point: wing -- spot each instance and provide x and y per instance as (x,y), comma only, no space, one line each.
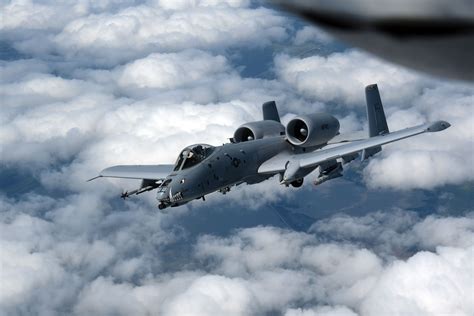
(149,172)
(348,137)
(312,159)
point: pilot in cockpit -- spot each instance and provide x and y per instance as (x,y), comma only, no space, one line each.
(192,155)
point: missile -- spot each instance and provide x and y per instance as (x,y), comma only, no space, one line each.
(329,174)
(325,178)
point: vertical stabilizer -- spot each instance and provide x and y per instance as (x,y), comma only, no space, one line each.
(375,113)
(376,117)
(270,111)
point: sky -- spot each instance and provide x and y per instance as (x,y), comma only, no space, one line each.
(89,84)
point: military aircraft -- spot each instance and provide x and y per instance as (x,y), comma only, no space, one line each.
(262,149)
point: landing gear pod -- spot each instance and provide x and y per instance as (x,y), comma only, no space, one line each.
(297,183)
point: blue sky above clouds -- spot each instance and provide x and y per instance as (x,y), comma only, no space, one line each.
(89,84)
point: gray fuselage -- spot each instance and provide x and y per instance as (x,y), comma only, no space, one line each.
(228,165)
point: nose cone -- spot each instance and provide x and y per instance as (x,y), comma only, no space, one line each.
(162,194)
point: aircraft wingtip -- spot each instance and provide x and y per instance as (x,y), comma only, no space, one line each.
(94,178)
(438,126)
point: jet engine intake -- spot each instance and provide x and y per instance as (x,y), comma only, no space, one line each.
(312,130)
(257,130)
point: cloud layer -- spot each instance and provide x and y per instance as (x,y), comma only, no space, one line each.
(115,32)
(253,271)
(89,84)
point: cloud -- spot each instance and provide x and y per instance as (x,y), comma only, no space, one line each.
(169,71)
(212,295)
(195,27)
(103,297)
(113,32)
(389,233)
(311,34)
(52,248)
(276,269)
(114,259)
(456,231)
(267,251)
(341,77)
(321,311)
(429,170)
(427,283)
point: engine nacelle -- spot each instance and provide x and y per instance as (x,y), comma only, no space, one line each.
(312,130)
(257,130)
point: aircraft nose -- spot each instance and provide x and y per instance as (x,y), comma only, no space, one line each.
(171,191)
(189,187)
(162,195)
(179,190)
(175,194)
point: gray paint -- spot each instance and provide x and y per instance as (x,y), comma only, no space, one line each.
(265,154)
(318,129)
(270,112)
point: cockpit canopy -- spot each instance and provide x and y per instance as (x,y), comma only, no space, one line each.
(192,155)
